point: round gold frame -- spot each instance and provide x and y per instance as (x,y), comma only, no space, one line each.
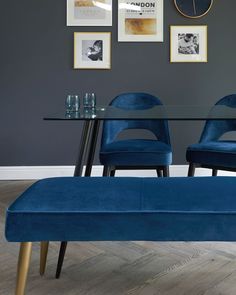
(193,16)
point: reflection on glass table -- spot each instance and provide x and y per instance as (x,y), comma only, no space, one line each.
(170,112)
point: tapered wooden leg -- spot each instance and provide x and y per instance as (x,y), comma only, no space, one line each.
(166,172)
(61,259)
(214,172)
(191,170)
(43,257)
(23,267)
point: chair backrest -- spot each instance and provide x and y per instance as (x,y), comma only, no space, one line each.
(135,101)
(214,129)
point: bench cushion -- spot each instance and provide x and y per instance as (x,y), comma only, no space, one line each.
(125,208)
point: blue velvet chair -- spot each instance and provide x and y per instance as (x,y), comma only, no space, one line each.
(135,153)
(212,152)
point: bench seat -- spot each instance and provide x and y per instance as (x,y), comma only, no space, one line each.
(125,208)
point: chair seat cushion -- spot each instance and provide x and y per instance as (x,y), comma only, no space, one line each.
(125,208)
(136,152)
(214,153)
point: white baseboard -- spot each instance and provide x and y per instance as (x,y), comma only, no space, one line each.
(39,172)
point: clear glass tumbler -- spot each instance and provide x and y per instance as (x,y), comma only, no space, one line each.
(72,103)
(89,101)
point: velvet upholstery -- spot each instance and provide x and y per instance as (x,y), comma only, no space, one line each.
(213,153)
(138,152)
(211,150)
(125,208)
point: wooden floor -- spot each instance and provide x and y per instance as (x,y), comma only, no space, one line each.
(107,268)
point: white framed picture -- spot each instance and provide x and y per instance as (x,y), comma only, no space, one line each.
(188,44)
(92,50)
(140,21)
(89,12)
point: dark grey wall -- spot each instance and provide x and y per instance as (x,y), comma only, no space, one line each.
(36,74)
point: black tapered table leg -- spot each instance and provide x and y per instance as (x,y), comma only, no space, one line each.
(92,148)
(83,148)
(84,143)
(88,143)
(61,258)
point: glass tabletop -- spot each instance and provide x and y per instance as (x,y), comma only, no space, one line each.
(169,112)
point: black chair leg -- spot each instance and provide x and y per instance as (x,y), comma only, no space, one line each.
(159,173)
(61,259)
(166,172)
(106,171)
(191,170)
(112,172)
(214,172)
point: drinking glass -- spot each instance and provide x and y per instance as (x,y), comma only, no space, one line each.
(89,101)
(72,103)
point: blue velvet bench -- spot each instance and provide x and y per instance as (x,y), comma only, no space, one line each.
(120,209)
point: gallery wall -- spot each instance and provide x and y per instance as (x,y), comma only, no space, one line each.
(36,74)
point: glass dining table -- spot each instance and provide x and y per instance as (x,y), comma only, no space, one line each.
(91,122)
(92,118)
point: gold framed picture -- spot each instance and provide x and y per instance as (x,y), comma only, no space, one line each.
(140,21)
(92,50)
(89,12)
(188,44)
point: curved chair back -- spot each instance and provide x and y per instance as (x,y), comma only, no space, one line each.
(135,101)
(214,129)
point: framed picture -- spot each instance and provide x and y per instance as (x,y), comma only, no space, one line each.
(89,12)
(188,44)
(92,50)
(140,21)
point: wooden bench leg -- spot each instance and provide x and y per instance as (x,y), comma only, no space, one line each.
(43,257)
(23,267)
